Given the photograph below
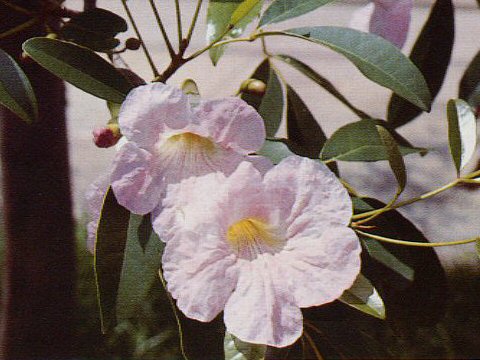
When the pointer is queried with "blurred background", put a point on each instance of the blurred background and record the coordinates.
(450, 216)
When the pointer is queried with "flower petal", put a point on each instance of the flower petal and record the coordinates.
(303, 191)
(150, 110)
(391, 20)
(321, 267)
(133, 182)
(94, 197)
(262, 310)
(232, 123)
(212, 198)
(200, 272)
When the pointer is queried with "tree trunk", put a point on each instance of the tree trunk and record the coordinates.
(39, 277)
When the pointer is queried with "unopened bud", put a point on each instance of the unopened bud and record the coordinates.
(52, 36)
(107, 136)
(133, 44)
(253, 87)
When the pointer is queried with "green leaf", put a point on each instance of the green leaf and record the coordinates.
(462, 132)
(190, 88)
(220, 19)
(395, 158)
(360, 141)
(469, 89)
(431, 54)
(95, 29)
(141, 263)
(378, 252)
(271, 106)
(304, 133)
(364, 297)
(276, 151)
(377, 59)
(320, 80)
(235, 349)
(281, 10)
(109, 253)
(16, 92)
(244, 10)
(80, 67)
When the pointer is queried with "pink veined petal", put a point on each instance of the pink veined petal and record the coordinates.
(94, 197)
(186, 204)
(262, 309)
(391, 20)
(150, 110)
(321, 266)
(200, 271)
(232, 123)
(133, 182)
(302, 191)
(210, 198)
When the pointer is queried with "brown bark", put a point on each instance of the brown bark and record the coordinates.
(39, 266)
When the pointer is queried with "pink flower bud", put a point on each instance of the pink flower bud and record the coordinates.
(107, 136)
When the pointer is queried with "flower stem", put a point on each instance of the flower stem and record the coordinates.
(139, 36)
(194, 21)
(19, 28)
(177, 319)
(179, 22)
(407, 202)
(162, 29)
(414, 243)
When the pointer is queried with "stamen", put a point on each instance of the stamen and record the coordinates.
(254, 236)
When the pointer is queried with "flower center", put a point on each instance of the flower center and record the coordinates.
(189, 142)
(254, 236)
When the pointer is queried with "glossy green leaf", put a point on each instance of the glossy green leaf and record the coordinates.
(109, 253)
(272, 105)
(190, 88)
(305, 135)
(235, 349)
(364, 297)
(80, 67)
(141, 262)
(281, 10)
(321, 81)
(377, 59)
(395, 158)
(95, 29)
(220, 19)
(431, 54)
(244, 10)
(16, 92)
(360, 141)
(378, 252)
(462, 132)
(469, 89)
(276, 151)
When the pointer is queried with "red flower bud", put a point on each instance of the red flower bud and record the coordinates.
(107, 136)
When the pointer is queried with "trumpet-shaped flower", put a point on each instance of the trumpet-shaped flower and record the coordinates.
(389, 19)
(258, 247)
(168, 140)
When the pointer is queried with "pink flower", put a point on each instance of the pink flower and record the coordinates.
(94, 196)
(389, 19)
(258, 247)
(168, 140)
